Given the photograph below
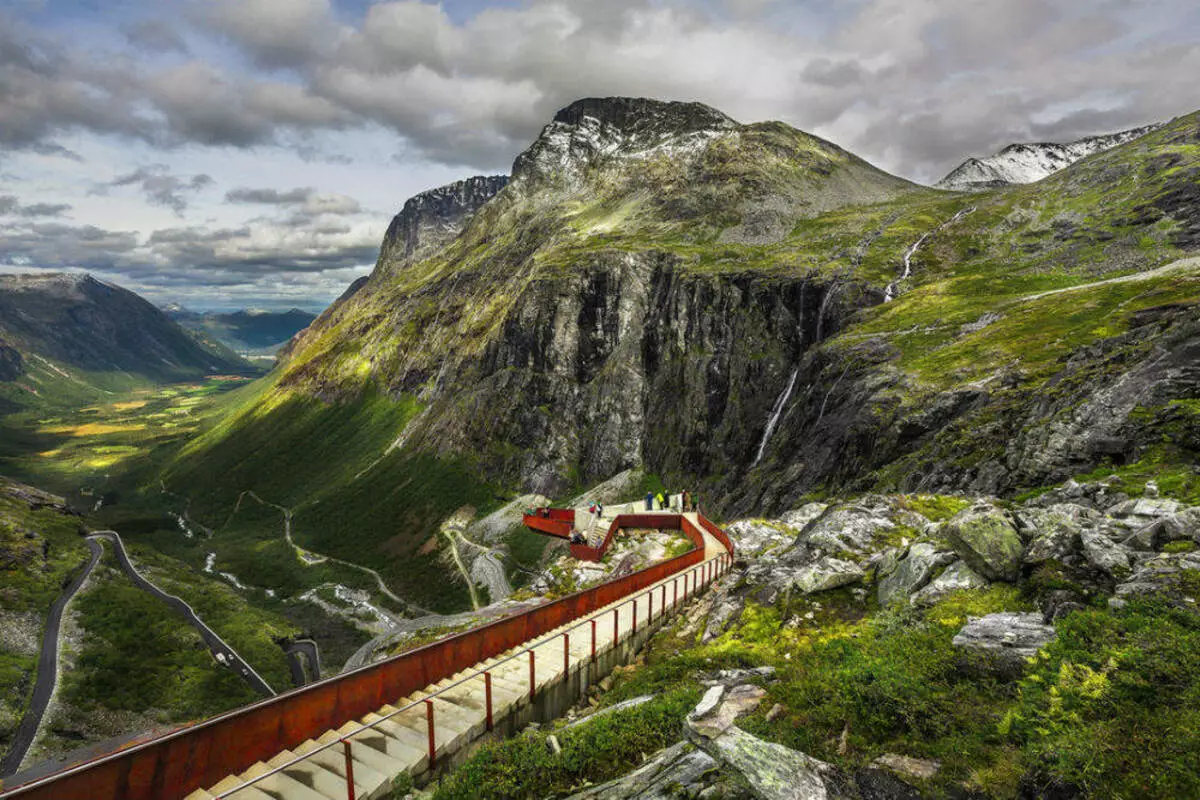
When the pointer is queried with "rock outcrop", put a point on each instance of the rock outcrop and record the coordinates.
(432, 218)
(1001, 642)
(984, 537)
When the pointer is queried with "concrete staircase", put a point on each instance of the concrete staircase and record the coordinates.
(399, 738)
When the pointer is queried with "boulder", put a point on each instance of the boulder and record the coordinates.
(912, 573)
(1053, 532)
(680, 768)
(726, 609)
(919, 768)
(984, 537)
(1104, 554)
(1060, 602)
(847, 528)
(827, 573)
(800, 517)
(956, 578)
(1184, 525)
(772, 771)
(753, 537)
(1000, 643)
(1159, 574)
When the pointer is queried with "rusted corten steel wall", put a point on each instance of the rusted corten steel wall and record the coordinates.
(716, 532)
(201, 755)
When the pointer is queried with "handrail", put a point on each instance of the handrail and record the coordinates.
(478, 674)
(203, 753)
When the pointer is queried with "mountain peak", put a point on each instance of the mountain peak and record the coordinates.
(435, 216)
(633, 114)
(597, 128)
(1026, 162)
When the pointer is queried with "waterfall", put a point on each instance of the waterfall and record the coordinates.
(776, 413)
(890, 292)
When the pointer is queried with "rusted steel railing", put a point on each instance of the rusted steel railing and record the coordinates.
(201, 755)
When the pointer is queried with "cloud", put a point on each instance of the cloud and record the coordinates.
(161, 187)
(155, 36)
(11, 206)
(876, 76)
(306, 205)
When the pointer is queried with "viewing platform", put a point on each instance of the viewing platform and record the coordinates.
(353, 734)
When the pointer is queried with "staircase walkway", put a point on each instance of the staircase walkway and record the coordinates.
(412, 734)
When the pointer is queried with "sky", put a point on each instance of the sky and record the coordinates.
(249, 153)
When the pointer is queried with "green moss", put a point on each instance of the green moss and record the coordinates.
(594, 752)
(935, 507)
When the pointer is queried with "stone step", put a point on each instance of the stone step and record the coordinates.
(333, 761)
(232, 782)
(279, 784)
(369, 773)
(311, 774)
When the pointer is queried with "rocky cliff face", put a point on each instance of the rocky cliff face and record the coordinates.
(1029, 162)
(78, 321)
(754, 311)
(433, 218)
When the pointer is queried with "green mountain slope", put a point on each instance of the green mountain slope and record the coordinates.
(76, 338)
(747, 309)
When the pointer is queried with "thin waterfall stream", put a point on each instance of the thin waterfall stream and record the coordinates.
(776, 413)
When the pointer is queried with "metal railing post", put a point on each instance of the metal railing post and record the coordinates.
(532, 676)
(635, 617)
(432, 740)
(675, 592)
(616, 624)
(566, 655)
(593, 640)
(650, 610)
(487, 694)
(349, 770)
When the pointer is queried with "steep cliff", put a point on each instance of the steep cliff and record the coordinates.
(433, 218)
(754, 311)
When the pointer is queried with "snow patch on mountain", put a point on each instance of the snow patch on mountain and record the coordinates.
(1029, 162)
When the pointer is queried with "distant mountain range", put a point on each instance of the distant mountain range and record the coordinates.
(251, 331)
(1032, 161)
(60, 332)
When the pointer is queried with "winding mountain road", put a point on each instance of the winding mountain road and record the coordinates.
(220, 649)
(312, 557)
(308, 649)
(47, 669)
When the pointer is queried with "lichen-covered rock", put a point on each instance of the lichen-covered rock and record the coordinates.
(1159, 574)
(847, 528)
(800, 517)
(1000, 643)
(956, 578)
(827, 573)
(984, 537)
(1053, 532)
(678, 768)
(912, 573)
(753, 537)
(1104, 554)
